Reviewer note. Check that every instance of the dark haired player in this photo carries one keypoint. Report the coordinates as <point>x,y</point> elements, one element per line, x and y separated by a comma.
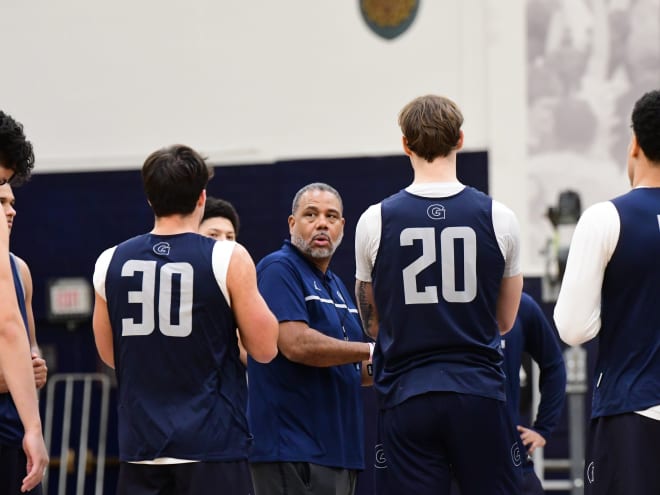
<point>166,311</point>
<point>16,163</point>
<point>610,290</point>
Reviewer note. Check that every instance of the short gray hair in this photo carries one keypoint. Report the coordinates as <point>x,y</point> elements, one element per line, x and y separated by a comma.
<point>315,186</point>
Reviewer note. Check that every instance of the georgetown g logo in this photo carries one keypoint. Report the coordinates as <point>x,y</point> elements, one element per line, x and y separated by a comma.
<point>515,454</point>
<point>436,212</point>
<point>380,460</point>
<point>590,472</point>
<point>162,248</point>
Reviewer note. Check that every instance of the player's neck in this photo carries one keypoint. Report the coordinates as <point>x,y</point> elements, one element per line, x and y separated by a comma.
<point>175,224</point>
<point>442,169</point>
<point>647,175</point>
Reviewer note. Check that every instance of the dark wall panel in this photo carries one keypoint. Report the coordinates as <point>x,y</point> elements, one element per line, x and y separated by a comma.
<point>65,221</point>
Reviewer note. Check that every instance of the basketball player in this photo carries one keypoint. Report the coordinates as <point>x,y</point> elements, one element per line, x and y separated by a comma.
<point>532,334</point>
<point>438,279</point>
<point>220,220</point>
<point>12,457</point>
<point>167,306</point>
<point>610,290</point>
<point>16,162</point>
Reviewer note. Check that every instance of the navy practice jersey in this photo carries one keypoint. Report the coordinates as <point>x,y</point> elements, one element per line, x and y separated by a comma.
<point>304,413</point>
<point>436,281</point>
<point>532,334</point>
<point>182,388</point>
<point>627,375</point>
<point>11,428</point>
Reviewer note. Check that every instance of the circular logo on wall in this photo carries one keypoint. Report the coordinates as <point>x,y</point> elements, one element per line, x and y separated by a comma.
<point>389,18</point>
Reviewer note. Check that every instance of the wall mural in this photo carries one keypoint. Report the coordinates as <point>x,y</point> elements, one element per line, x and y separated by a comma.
<point>588,61</point>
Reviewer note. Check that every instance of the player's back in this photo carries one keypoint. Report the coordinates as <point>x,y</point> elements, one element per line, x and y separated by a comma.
<point>630,313</point>
<point>436,280</point>
<point>182,390</point>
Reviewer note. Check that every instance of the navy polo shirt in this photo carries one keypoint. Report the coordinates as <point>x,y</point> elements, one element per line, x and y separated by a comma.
<point>300,413</point>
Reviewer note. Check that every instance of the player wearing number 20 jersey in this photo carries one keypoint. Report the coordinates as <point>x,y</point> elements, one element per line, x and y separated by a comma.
<point>438,279</point>
<point>438,252</point>
<point>175,344</point>
<point>435,255</point>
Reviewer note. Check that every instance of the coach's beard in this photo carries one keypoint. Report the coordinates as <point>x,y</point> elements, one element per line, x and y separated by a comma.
<point>316,252</point>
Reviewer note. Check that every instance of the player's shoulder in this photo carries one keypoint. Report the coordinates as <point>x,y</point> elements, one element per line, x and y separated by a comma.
<point>600,214</point>
<point>129,243</point>
<point>502,210</point>
<point>602,206</point>
<point>20,262</point>
<point>527,300</point>
<point>528,304</point>
<point>370,214</point>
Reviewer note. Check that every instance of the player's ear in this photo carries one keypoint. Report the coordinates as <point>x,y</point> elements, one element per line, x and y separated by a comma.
<point>406,149</point>
<point>634,149</point>
<point>459,144</point>
<point>201,201</point>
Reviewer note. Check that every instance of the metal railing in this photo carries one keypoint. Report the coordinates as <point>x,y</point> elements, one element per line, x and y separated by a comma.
<point>66,455</point>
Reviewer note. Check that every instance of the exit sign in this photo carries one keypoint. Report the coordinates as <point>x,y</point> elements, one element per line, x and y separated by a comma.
<point>69,299</point>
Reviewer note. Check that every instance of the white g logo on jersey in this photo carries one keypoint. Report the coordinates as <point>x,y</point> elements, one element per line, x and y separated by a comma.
<point>590,472</point>
<point>162,248</point>
<point>381,461</point>
<point>515,454</point>
<point>436,212</point>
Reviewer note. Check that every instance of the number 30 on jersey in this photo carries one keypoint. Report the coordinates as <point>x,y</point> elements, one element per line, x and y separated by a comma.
<point>146,297</point>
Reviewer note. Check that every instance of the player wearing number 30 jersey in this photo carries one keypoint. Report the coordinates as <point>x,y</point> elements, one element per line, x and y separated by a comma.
<point>438,278</point>
<point>166,311</point>
<point>151,284</point>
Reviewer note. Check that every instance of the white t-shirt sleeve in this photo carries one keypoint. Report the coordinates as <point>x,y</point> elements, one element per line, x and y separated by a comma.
<point>101,270</point>
<point>507,232</point>
<point>222,251</point>
<point>367,241</point>
<point>577,312</point>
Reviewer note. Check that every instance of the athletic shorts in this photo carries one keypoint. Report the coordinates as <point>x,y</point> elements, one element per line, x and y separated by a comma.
<point>12,471</point>
<point>623,456</point>
<point>531,484</point>
<point>430,438</point>
<point>301,478</point>
<point>191,478</point>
